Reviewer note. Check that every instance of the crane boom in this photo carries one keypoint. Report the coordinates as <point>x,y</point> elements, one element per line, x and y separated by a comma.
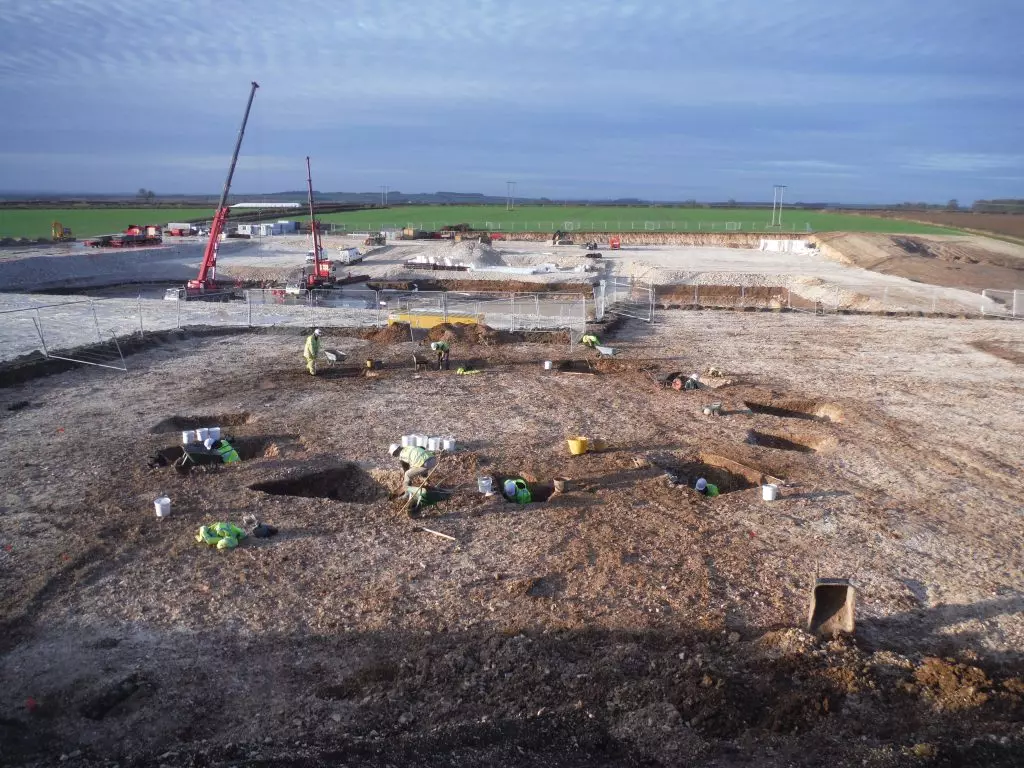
<point>321,275</point>
<point>208,270</point>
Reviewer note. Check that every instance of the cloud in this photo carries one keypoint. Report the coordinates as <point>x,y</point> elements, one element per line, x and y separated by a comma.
<point>599,96</point>
<point>965,162</point>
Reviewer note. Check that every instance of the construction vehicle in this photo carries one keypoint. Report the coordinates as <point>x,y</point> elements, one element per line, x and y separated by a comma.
<point>377,239</point>
<point>321,275</point>
<point>61,234</point>
<point>205,285</point>
<point>615,242</point>
<point>135,235</point>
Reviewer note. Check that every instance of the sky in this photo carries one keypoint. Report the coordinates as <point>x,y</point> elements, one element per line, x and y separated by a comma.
<point>853,101</point>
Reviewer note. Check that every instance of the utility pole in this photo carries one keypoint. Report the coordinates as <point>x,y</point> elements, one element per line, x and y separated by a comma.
<point>778,193</point>
<point>510,195</point>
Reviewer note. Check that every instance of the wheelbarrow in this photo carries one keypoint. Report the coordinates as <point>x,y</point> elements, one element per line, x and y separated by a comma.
<point>833,602</point>
<point>333,356</point>
<point>605,351</point>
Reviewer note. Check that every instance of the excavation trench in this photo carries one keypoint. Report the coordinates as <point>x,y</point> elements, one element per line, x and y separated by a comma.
<point>797,409</point>
<point>727,475</point>
<point>348,483</point>
<point>778,442</point>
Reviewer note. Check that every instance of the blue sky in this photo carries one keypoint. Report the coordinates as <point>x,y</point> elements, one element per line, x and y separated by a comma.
<point>844,101</point>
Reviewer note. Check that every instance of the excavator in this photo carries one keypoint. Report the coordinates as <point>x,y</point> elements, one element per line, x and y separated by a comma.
<point>60,233</point>
<point>205,286</point>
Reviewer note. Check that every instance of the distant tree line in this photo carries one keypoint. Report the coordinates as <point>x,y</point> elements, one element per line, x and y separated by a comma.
<point>998,206</point>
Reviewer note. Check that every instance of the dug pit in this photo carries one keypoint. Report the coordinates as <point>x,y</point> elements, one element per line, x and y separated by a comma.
<point>574,366</point>
<point>181,423</point>
<point>787,442</point>
<point>797,409</point>
<point>539,490</point>
<point>728,475</point>
<point>348,483</point>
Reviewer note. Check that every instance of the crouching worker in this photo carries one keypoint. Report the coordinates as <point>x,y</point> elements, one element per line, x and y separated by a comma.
<point>224,449</point>
<point>416,462</point>
<point>706,488</point>
<point>518,491</point>
<point>442,349</point>
<point>589,340</point>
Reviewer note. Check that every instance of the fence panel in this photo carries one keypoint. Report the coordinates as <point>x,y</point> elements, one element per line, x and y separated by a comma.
<point>214,309</point>
<point>73,331</point>
<point>629,298</point>
<point>1002,303</point>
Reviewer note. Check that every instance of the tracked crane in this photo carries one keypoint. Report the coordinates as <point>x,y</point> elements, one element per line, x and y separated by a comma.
<point>206,282</point>
<point>321,275</point>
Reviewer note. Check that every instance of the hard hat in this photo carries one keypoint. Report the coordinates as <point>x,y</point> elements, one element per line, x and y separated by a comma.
<point>510,488</point>
<point>394,448</point>
<point>695,376</point>
<point>209,443</point>
<point>701,484</point>
<point>316,331</point>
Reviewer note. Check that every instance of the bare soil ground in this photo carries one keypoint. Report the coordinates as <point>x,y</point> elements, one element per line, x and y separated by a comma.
<point>628,621</point>
<point>1011,224</point>
<point>956,261</point>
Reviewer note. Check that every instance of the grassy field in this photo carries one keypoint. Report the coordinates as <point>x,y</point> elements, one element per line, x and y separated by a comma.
<point>550,218</point>
<point>87,222</point>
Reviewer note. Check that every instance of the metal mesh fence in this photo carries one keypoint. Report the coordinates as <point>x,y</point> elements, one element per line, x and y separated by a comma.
<point>1002,303</point>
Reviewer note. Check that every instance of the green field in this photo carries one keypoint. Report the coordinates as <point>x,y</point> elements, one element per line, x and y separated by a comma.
<point>551,218</point>
<point>85,222</point>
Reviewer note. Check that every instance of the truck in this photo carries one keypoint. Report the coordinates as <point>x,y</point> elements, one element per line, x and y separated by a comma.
<point>134,235</point>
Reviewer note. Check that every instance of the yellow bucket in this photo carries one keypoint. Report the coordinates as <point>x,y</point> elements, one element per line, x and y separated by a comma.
<point>577,445</point>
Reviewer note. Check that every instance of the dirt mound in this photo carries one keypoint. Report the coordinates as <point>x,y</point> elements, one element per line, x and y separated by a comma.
<point>469,333</point>
<point>393,333</point>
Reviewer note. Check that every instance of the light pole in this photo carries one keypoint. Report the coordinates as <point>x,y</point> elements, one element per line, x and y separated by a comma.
<point>510,196</point>
<point>384,189</point>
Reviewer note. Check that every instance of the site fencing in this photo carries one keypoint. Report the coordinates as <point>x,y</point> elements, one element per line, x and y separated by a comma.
<point>627,297</point>
<point>573,225</point>
<point>1002,303</point>
<point>88,330</point>
<point>76,331</point>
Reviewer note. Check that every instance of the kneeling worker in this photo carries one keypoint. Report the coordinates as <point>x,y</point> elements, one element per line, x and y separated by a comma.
<point>589,340</point>
<point>416,461</point>
<point>224,449</point>
<point>441,348</point>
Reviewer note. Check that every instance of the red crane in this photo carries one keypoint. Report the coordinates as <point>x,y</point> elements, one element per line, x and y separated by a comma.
<point>321,274</point>
<point>207,280</point>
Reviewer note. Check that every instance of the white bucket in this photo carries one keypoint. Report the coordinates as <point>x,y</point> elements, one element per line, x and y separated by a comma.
<point>188,436</point>
<point>162,506</point>
<point>202,434</point>
<point>215,433</point>
<point>448,444</point>
<point>433,443</point>
<point>484,484</point>
<point>769,492</point>
<point>421,440</point>
<point>548,365</point>
<point>408,440</point>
